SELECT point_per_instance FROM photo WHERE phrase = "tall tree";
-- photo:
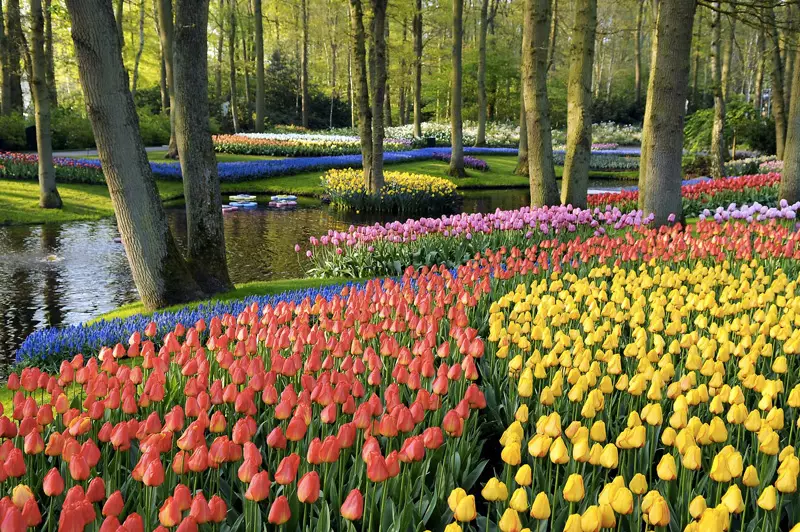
(456, 134)
(166, 29)
(118, 18)
(575, 182)
(551, 47)
(387, 100)
(378, 89)
(12, 99)
(232, 63)
(727, 59)
(306, 103)
(259, 35)
(361, 92)
(4, 81)
(48, 193)
(417, 29)
(662, 133)
(206, 238)
(718, 126)
(522, 153)
(220, 45)
(761, 54)
(480, 137)
(139, 50)
(637, 51)
(777, 97)
(535, 33)
(159, 271)
(49, 53)
(790, 180)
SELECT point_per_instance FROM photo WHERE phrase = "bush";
(742, 122)
(71, 130)
(402, 192)
(12, 132)
(154, 129)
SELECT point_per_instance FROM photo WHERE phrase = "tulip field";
(574, 370)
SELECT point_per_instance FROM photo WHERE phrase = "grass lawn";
(19, 199)
(256, 288)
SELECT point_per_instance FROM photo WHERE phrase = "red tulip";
(78, 468)
(53, 483)
(279, 512)
(353, 506)
(14, 464)
(287, 469)
(114, 505)
(153, 475)
(169, 515)
(13, 521)
(452, 423)
(199, 509)
(218, 509)
(96, 491)
(134, 523)
(189, 524)
(259, 487)
(308, 488)
(31, 514)
(376, 468)
(182, 497)
(110, 524)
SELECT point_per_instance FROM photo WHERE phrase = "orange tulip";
(308, 488)
(200, 510)
(258, 490)
(114, 505)
(218, 509)
(279, 512)
(353, 506)
(53, 483)
(169, 515)
(287, 469)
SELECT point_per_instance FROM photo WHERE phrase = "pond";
(62, 274)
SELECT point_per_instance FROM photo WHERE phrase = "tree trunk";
(350, 96)
(387, 100)
(4, 66)
(378, 49)
(118, 19)
(536, 23)
(777, 97)
(401, 95)
(159, 271)
(304, 64)
(761, 57)
(48, 193)
(788, 70)
(206, 238)
(232, 64)
(551, 47)
(259, 34)
(245, 61)
(728, 58)
(456, 139)
(165, 25)
(575, 181)
(48, 53)
(139, 50)
(718, 127)
(220, 44)
(790, 181)
(417, 24)
(522, 154)
(334, 49)
(637, 65)
(12, 99)
(480, 137)
(361, 91)
(662, 133)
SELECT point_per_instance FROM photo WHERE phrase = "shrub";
(402, 192)
(154, 128)
(742, 121)
(71, 130)
(12, 132)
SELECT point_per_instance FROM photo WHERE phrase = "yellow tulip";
(697, 506)
(659, 512)
(573, 523)
(750, 478)
(20, 495)
(787, 482)
(610, 456)
(591, 520)
(622, 501)
(453, 527)
(510, 521)
(573, 489)
(598, 431)
(768, 499)
(558, 452)
(494, 490)
(521, 414)
(512, 454)
(638, 484)
(465, 511)
(519, 500)
(666, 468)
(733, 499)
(455, 497)
(540, 509)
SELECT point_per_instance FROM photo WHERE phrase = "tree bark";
(206, 238)
(662, 134)
(575, 181)
(232, 63)
(165, 25)
(522, 153)
(118, 19)
(718, 127)
(637, 65)
(387, 100)
(220, 44)
(139, 50)
(350, 96)
(761, 57)
(378, 48)
(12, 101)
(728, 58)
(480, 137)
(304, 64)
(790, 180)
(159, 271)
(777, 97)
(48, 53)
(551, 47)
(5, 86)
(417, 27)
(259, 34)
(361, 91)
(401, 94)
(48, 193)
(536, 23)
(456, 138)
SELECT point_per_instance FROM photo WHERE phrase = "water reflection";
(69, 273)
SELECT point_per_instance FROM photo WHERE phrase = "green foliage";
(12, 132)
(71, 129)
(751, 130)
(153, 128)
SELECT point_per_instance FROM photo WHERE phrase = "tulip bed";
(297, 144)
(469, 162)
(402, 192)
(624, 374)
(25, 166)
(697, 196)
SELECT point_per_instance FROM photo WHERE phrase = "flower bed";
(609, 160)
(297, 144)
(469, 162)
(25, 166)
(629, 374)
(748, 189)
(402, 192)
